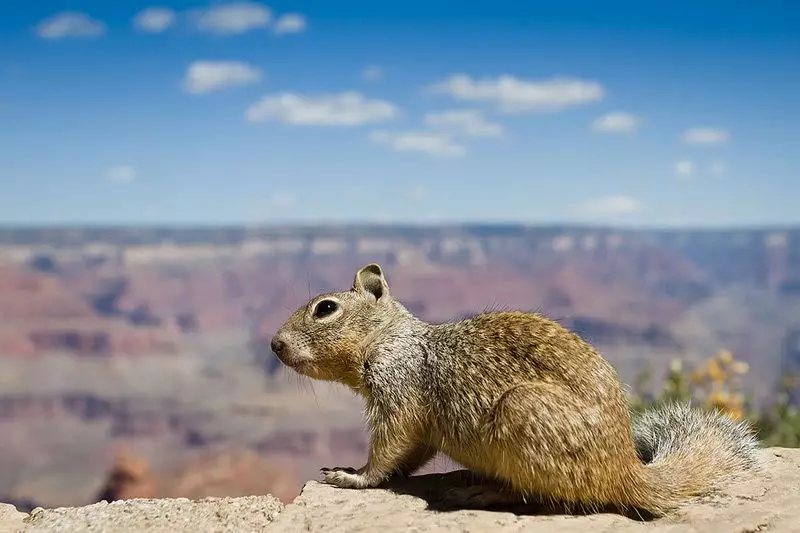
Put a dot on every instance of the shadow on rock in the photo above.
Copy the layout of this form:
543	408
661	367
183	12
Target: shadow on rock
462	490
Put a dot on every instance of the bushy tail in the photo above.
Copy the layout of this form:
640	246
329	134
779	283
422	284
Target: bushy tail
689	452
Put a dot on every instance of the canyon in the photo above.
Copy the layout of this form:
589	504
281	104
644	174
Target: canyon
124	347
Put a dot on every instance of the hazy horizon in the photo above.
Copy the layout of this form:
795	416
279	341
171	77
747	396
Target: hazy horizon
399	225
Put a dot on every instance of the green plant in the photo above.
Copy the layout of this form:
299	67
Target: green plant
779	423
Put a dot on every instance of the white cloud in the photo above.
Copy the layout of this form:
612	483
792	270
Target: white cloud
372	73
514	95
343	109
612	205
684	168
718	168
471	122
616	122
154	19
435	144
232	18
122	174
207	76
70	24
706	135
290	23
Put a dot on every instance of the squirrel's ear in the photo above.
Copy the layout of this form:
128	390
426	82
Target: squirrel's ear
369	280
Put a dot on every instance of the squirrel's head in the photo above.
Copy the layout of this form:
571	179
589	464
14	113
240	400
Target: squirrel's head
324	338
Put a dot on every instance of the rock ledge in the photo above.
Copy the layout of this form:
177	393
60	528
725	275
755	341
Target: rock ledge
769	502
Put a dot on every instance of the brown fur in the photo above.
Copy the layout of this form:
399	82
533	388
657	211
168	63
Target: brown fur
513	396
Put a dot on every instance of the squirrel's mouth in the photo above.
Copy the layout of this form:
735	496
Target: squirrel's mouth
295	361
304	367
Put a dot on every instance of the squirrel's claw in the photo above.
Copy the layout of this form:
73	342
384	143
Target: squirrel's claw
347	469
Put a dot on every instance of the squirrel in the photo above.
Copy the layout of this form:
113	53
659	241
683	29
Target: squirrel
518	399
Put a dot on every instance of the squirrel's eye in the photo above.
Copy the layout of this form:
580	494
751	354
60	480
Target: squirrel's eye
325	308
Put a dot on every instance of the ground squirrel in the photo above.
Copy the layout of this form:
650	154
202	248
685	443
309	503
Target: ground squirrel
514	397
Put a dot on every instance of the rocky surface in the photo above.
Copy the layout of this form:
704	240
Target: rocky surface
769	502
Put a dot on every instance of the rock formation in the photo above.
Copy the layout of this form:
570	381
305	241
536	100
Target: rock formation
228	473
130	477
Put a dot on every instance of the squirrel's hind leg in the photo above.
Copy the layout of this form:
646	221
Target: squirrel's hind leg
546	442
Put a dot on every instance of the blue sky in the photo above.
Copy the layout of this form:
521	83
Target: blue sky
657	113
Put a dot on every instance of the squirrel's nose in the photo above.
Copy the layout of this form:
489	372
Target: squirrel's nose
277	346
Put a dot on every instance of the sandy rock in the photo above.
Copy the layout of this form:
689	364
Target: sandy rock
10	518
768	502
179	515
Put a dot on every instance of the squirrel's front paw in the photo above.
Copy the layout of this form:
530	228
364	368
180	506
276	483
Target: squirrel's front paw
346	478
